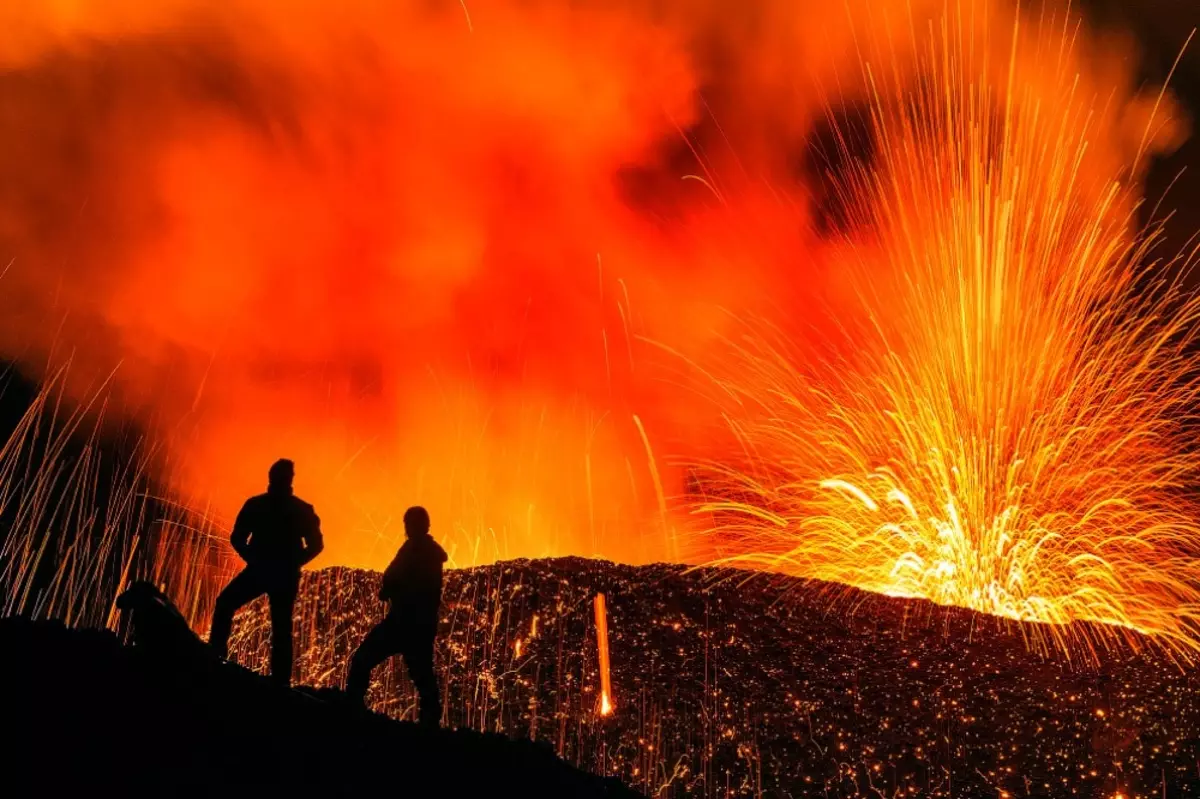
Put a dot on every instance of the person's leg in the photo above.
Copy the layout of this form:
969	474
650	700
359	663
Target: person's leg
418	657
241	589
379	645
282	596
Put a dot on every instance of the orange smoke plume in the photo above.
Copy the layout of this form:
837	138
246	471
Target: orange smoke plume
418	248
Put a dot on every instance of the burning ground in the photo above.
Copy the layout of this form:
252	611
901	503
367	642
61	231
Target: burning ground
727	687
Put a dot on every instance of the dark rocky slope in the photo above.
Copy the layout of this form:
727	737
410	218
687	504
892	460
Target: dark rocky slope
84	715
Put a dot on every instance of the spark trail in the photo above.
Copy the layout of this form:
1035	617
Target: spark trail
606	704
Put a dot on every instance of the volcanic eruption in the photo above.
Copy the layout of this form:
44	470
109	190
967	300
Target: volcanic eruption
257	229
1003	420
861	295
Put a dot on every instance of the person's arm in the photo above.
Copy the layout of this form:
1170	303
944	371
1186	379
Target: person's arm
314	542
240	538
391	577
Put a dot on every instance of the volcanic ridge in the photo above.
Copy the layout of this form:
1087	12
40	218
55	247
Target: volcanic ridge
730	685
87	715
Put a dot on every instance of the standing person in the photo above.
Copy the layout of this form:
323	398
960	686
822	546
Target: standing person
276	533
413	586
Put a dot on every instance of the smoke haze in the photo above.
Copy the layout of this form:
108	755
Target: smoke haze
419	247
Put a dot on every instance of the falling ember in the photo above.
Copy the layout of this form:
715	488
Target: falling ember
606	704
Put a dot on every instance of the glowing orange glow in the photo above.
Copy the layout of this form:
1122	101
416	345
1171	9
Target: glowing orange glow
606	703
420	252
415	254
477	261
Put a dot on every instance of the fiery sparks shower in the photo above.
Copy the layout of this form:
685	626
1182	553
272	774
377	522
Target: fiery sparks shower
424	258
1004	424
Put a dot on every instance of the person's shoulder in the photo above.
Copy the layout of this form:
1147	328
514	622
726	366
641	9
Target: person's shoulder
434	549
302	505
256	501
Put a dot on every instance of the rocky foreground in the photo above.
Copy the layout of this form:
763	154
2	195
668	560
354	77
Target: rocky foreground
735	688
84	715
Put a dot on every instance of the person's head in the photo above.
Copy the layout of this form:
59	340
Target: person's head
279	477
416	521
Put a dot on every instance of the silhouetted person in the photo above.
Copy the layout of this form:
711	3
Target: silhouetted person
276	533
157	624
413	586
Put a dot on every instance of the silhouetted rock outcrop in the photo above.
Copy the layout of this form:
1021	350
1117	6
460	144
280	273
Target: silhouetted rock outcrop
86	715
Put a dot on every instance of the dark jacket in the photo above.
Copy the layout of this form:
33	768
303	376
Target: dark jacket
413	583
277	529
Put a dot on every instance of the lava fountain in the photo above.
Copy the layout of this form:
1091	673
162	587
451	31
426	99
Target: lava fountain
1003	423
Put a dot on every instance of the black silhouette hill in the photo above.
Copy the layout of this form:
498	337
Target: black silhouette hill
722	687
85	714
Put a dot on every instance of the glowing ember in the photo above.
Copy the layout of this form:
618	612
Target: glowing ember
606	705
